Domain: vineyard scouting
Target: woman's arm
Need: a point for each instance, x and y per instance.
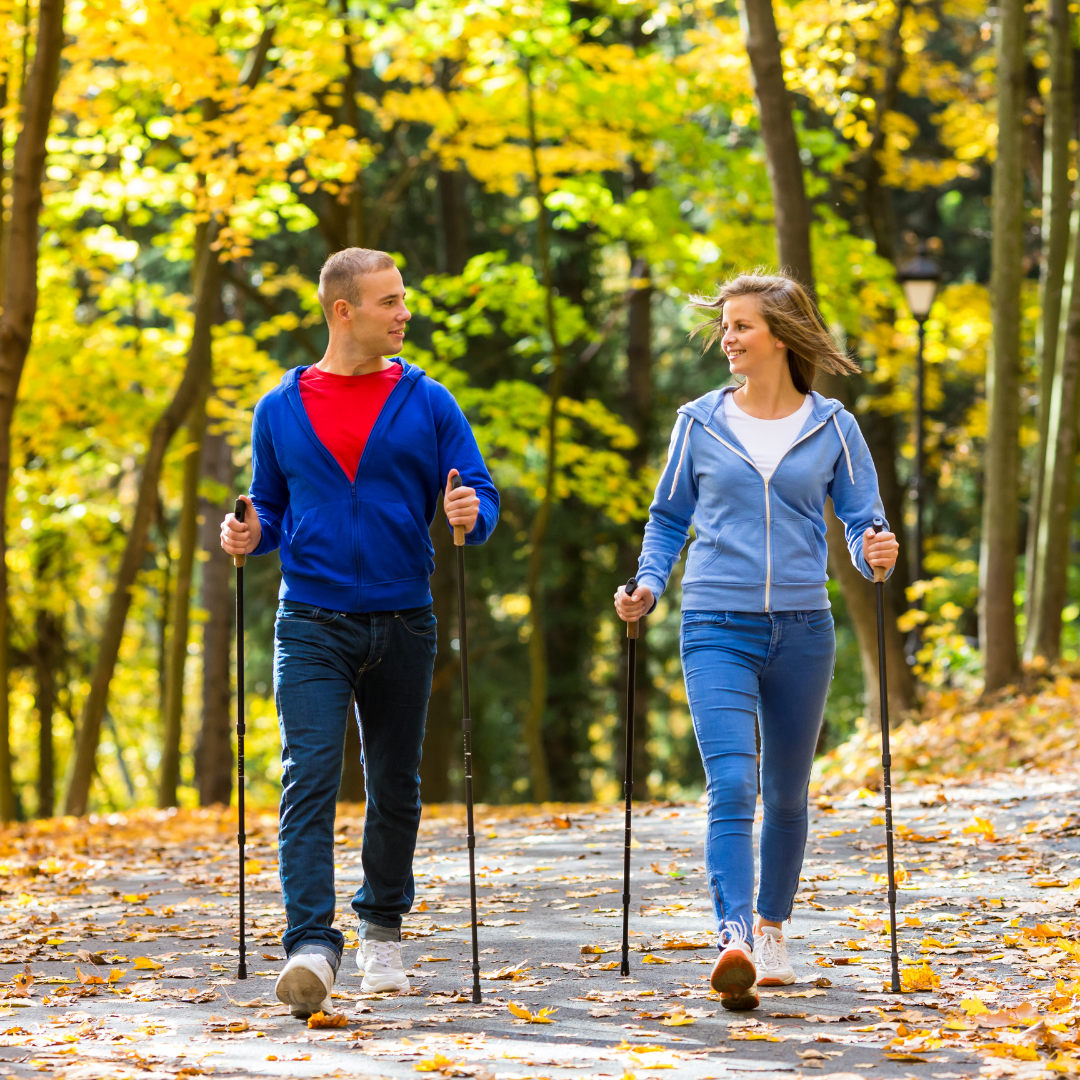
(855, 496)
(668, 527)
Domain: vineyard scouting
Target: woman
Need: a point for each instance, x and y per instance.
(750, 466)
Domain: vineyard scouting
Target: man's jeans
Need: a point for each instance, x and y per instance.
(321, 659)
(743, 669)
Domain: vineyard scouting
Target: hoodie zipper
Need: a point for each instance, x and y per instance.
(768, 501)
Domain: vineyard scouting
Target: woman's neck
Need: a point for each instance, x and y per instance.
(770, 398)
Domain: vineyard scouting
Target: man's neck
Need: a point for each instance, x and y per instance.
(337, 361)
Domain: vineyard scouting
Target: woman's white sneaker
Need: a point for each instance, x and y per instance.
(380, 964)
(305, 984)
(771, 959)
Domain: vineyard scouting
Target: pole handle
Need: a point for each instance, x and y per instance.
(459, 530)
(238, 512)
(879, 571)
(632, 627)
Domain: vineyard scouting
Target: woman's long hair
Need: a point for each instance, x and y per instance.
(791, 316)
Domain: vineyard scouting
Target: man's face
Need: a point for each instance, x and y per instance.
(377, 323)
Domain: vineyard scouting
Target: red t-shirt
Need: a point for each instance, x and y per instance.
(343, 409)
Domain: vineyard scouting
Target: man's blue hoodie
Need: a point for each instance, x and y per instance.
(759, 544)
(362, 544)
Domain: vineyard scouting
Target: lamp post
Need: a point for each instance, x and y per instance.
(920, 277)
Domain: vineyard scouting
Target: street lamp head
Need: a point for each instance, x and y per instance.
(920, 276)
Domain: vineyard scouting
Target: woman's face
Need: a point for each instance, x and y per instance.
(747, 341)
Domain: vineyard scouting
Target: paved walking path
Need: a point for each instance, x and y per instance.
(129, 894)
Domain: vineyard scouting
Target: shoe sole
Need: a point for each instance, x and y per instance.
(301, 989)
(384, 986)
(742, 1000)
(776, 980)
(734, 973)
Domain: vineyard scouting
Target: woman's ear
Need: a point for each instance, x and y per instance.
(779, 344)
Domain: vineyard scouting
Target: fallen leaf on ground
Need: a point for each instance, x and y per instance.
(522, 1013)
(321, 1020)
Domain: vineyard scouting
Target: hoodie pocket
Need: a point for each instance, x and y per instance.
(733, 558)
(393, 545)
(320, 545)
(795, 558)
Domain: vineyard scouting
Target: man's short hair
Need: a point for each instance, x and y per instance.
(340, 276)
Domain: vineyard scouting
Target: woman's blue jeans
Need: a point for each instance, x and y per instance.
(321, 659)
(746, 671)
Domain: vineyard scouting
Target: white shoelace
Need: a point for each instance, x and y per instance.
(770, 951)
(388, 954)
(735, 935)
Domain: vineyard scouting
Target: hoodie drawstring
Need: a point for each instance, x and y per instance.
(682, 457)
(847, 452)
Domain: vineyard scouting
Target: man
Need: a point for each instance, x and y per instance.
(348, 458)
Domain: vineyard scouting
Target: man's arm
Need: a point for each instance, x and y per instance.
(260, 532)
(458, 450)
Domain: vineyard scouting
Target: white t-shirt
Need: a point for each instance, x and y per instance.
(766, 441)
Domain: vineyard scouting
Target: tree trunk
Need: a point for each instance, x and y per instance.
(782, 161)
(181, 616)
(792, 210)
(48, 656)
(20, 306)
(1057, 194)
(214, 751)
(443, 733)
(998, 556)
(195, 375)
(1048, 592)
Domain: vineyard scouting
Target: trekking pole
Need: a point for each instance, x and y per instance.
(241, 835)
(628, 775)
(466, 727)
(886, 759)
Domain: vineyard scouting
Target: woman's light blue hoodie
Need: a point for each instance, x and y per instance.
(759, 544)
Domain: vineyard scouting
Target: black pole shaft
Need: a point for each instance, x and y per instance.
(886, 768)
(466, 727)
(241, 728)
(628, 778)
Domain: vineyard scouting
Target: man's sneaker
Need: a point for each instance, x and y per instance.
(734, 976)
(771, 959)
(305, 984)
(380, 964)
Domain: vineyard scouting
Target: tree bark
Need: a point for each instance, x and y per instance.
(1057, 195)
(792, 211)
(1000, 544)
(47, 658)
(1048, 593)
(195, 375)
(181, 616)
(214, 751)
(20, 298)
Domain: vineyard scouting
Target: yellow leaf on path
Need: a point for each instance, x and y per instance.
(973, 1006)
(439, 1063)
(912, 920)
(253, 866)
(89, 980)
(980, 827)
(136, 898)
(223, 1025)
(919, 977)
(422, 906)
(913, 1058)
(321, 1020)
(678, 1018)
(22, 982)
(144, 963)
(648, 958)
(116, 974)
(522, 1013)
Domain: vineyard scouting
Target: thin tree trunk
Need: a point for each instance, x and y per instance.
(20, 307)
(195, 375)
(1057, 195)
(181, 614)
(213, 752)
(164, 601)
(792, 211)
(48, 655)
(1000, 546)
(538, 662)
(1049, 590)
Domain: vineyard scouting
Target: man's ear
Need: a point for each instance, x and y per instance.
(343, 310)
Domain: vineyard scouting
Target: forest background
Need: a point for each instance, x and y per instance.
(556, 180)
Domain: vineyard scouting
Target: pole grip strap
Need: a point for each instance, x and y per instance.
(466, 723)
(892, 896)
(886, 760)
(472, 841)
